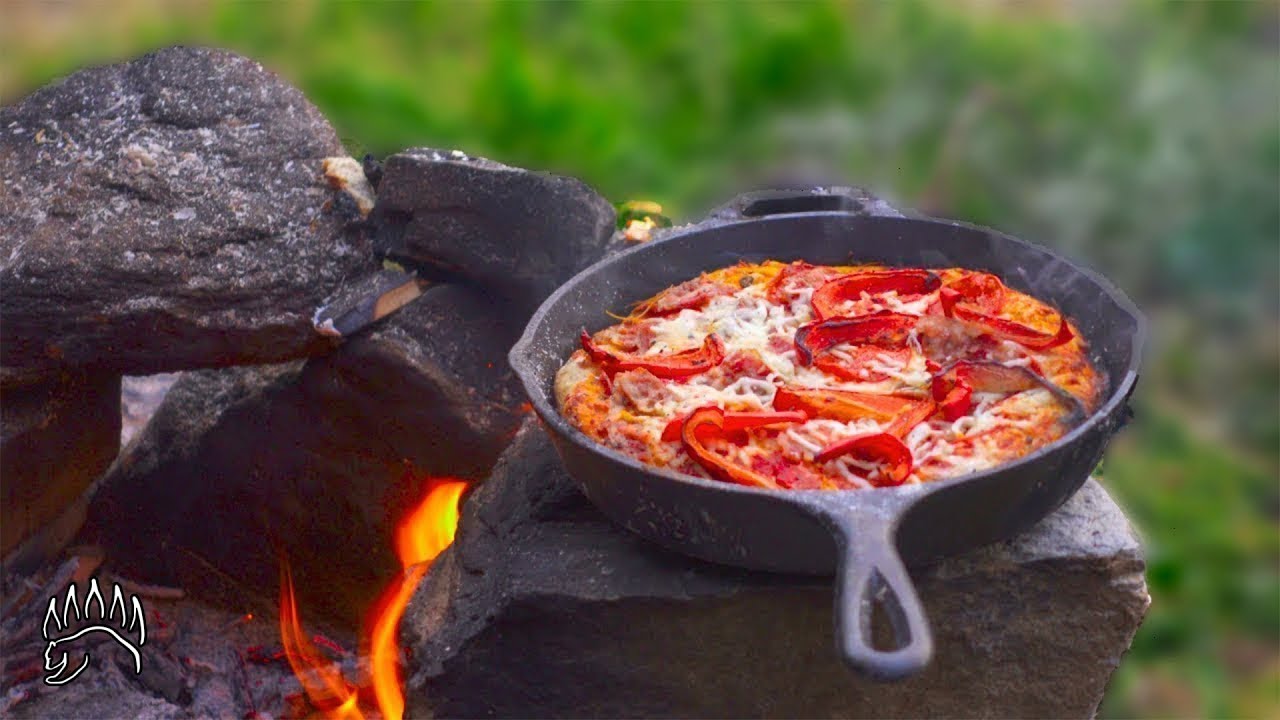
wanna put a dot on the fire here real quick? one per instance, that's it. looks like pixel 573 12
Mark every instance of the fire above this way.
pixel 419 537
pixel 323 682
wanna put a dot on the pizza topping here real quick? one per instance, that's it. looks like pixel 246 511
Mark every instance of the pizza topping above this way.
pixel 736 365
pixel 981 291
pixel 834 296
pixel 831 377
pixel 703 424
pixel 954 307
pixel 883 329
pixel 642 390
pixel 844 405
pixel 911 416
pixel 799 279
pixel 883 449
pixel 676 365
pixel 688 295
pixel 734 422
pixel 953 388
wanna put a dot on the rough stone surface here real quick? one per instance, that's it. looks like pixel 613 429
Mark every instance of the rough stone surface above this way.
pixel 515 231
pixel 166 213
pixel 316 459
pixel 139 399
pixel 56 437
pixel 542 608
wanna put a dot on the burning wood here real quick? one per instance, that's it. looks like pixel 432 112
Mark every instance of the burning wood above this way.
pixel 337 693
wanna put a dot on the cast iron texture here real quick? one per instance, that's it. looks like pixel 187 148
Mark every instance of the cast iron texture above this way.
pixel 865 535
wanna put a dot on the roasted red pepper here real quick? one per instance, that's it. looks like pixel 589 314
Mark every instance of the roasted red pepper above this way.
pixel 702 423
pixel 844 405
pixel 982 291
pixel 676 365
pixel 857 367
pixel 883 329
pixel 910 417
pixel 957 304
pixel 955 399
pixel 953 387
pixel 849 287
pixel 884 448
pixel 798 274
pixel 739 421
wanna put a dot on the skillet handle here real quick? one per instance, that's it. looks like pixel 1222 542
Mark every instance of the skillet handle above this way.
pixel 871 573
pixel 803 199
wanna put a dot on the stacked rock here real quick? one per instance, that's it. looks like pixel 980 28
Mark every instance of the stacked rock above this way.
pixel 178 213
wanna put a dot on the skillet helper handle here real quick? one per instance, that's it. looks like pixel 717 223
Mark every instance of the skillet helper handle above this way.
pixel 871 573
pixel 804 199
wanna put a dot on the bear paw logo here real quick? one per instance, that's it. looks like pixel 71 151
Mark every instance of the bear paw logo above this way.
pixel 125 624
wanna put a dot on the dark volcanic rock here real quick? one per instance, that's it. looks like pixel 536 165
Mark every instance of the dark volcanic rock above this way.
pixel 163 214
pixel 56 437
pixel 518 232
pixel 542 608
pixel 316 459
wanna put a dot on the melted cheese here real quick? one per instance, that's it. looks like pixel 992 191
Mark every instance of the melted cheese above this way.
pixel 998 428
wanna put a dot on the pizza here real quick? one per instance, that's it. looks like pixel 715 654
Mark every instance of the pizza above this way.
pixel 799 376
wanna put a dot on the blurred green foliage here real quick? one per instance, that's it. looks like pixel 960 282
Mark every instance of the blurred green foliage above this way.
pixel 1141 137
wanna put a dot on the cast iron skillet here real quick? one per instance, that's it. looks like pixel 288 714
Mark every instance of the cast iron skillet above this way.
pixel 866 535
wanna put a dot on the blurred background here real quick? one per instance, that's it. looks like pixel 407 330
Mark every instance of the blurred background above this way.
pixel 1142 138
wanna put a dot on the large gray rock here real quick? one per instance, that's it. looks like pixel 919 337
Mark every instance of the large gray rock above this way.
pixel 543 608
pixel 316 459
pixel 518 232
pixel 166 213
pixel 56 436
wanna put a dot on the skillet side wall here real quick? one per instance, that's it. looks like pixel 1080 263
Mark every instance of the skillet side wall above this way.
pixel 768 531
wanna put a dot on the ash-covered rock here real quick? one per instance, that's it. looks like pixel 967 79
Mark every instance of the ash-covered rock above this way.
pixel 543 608
pixel 515 231
pixel 56 436
pixel 317 460
pixel 166 213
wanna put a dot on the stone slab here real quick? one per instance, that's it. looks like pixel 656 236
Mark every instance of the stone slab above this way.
pixel 543 608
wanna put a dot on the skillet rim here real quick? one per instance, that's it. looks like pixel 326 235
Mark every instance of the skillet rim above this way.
pixel 519 357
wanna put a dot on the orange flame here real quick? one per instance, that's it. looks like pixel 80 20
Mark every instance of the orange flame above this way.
pixel 419 537
pixel 327 690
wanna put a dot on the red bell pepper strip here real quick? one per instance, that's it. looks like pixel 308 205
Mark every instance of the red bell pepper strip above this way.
pixel 908 419
pixel 1025 336
pixel 883 448
pixel 953 306
pixel 858 370
pixel 847 405
pixel 800 274
pixel 954 386
pixel 677 365
pixel 842 405
pixel 982 291
pixel 739 421
pixel 709 420
pixel 955 402
pixel 848 287
pixel 884 329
